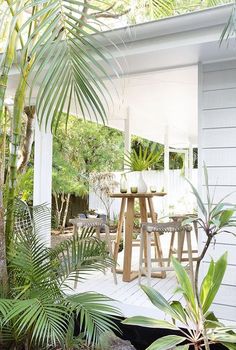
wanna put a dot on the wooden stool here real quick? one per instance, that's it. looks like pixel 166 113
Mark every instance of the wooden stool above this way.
pixel 97 223
pixel 181 239
pixel 147 229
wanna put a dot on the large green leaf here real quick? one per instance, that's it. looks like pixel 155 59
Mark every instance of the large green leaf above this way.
pixel 223 337
pixel 212 282
pixel 166 343
pixel 160 302
pixel 207 282
pixel 229 346
pixel 226 216
pixel 180 310
pixel 149 322
pixel 185 284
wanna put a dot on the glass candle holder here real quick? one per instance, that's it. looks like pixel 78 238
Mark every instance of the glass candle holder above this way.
pixel 134 189
pixel 153 189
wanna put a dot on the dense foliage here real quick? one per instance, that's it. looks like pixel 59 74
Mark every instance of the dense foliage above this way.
pixel 39 311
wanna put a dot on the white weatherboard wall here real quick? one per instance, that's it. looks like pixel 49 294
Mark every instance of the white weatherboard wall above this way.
pixel 217 147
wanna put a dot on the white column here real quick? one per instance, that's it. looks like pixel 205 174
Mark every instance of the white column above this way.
pixel 186 163
pixel 190 164
pixel 43 181
pixel 166 171
pixel 127 132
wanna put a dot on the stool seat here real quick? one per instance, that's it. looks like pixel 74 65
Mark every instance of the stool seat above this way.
pixel 164 227
pixel 96 223
pixel 147 229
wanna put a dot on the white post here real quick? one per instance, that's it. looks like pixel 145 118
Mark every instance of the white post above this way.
pixel 166 171
pixel 190 165
pixel 186 163
pixel 43 179
pixel 127 132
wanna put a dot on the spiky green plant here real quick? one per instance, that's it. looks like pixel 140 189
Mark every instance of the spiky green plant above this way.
pixel 143 159
pixel 186 317
pixel 40 311
pixel 213 220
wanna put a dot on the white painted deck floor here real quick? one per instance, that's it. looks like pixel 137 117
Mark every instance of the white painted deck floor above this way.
pixel 129 296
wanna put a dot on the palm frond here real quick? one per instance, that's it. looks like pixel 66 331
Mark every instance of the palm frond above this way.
pixel 69 59
pixel 161 8
pixel 47 321
pixel 143 159
pixel 230 27
pixel 92 310
pixel 79 256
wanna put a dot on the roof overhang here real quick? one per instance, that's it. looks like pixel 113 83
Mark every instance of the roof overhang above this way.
pixel 144 50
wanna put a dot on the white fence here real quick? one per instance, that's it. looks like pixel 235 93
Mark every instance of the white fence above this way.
pixel 179 197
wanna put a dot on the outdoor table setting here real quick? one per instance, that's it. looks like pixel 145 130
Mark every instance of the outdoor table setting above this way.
pixel 127 205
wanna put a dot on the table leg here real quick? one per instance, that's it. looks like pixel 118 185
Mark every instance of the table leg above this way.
pixel 144 218
pixel 156 237
pixel 129 226
pixel 119 228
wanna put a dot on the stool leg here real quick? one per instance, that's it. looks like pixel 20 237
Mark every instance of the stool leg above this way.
pixel 119 228
pixel 159 253
pixel 149 261
pixel 172 240
pixel 141 256
pixel 190 257
pixel 181 236
pixel 108 240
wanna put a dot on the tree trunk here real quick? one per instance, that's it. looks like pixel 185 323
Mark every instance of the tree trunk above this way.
pixel 3 266
pixel 15 143
pixel 5 68
pixel 28 139
pixel 61 209
pixel 65 212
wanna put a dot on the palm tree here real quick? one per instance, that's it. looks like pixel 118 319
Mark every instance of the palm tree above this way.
pixel 39 311
pixel 164 8
pixel 58 48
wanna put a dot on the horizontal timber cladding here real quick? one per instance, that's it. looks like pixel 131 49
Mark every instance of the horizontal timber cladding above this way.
pixel 217 149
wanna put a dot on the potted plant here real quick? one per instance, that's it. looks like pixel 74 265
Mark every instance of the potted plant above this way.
pixel 91 214
pixel 140 161
pixel 192 323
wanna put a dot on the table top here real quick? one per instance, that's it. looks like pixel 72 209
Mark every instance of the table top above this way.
pixel 138 195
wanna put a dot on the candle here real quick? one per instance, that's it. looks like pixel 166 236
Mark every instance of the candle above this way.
pixel 134 189
pixel 153 189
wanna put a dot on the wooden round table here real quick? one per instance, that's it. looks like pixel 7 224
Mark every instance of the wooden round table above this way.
pixel 127 200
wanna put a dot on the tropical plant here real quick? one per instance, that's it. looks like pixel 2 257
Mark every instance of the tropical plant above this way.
pixel 214 219
pixel 39 311
pixel 143 159
pixel 186 321
pixel 155 9
pixel 56 46
pixel 229 30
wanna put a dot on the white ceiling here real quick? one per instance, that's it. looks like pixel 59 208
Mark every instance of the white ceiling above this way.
pixel 160 102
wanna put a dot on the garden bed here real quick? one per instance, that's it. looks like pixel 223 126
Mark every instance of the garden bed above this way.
pixel 142 337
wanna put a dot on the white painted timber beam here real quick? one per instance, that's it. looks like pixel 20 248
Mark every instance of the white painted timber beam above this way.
pixel 127 132
pixel 43 179
pixel 190 159
pixel 166 171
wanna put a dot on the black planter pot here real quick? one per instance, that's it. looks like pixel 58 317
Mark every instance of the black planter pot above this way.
pixel 142 337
